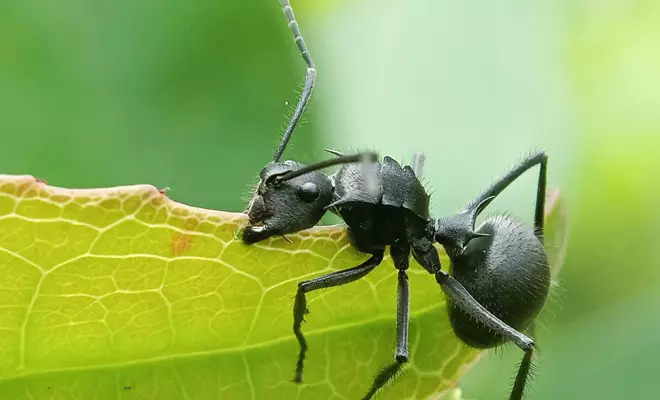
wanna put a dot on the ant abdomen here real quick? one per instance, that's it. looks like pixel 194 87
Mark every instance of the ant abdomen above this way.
pixel 507 272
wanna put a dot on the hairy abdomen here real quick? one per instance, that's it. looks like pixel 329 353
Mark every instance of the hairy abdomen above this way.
pixel 507 273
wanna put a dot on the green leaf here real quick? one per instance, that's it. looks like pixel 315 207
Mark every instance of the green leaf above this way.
pixel 124 293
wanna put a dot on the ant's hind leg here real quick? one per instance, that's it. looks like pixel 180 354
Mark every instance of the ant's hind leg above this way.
pixel 481 201
pixel 525 369
pixel 322 282
pixel 522 375
pixel 461 298
pixel 458 295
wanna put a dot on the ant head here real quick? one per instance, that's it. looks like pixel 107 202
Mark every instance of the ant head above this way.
pixel 455 232
pixel 286 202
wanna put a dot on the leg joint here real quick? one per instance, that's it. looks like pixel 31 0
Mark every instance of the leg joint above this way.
pixel 401 359
pixel 441 277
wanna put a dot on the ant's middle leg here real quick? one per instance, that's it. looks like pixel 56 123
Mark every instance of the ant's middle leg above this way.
pixel 400 257
pixel 322 282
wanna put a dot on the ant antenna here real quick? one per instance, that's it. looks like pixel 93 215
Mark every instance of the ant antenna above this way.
pixel 310 79
pixel 360 157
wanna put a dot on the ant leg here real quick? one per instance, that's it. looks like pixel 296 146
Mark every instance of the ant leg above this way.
pixel 460 297
pixel 402 321
pixel 521 377
pixel 326 281
pixel 481 201
pixel 310 79
pixel 425 254
pixel 401 258
pixel 524 370
pixel 427 257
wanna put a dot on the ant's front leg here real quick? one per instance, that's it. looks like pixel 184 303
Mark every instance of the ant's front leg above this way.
pixel 322 282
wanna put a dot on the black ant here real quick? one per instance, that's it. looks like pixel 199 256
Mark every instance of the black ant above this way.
pixel 500 273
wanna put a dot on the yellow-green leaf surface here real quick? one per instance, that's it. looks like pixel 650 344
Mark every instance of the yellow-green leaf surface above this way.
pixel 122 293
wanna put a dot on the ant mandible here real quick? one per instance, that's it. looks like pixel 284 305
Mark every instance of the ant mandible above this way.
pixel 500 272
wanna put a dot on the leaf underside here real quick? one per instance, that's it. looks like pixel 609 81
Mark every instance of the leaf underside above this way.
pixel 122 293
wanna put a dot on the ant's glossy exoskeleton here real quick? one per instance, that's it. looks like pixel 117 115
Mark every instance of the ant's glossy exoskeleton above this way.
pixel 500 273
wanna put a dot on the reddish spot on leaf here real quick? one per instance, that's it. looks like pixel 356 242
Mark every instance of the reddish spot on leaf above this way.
pixel 180 244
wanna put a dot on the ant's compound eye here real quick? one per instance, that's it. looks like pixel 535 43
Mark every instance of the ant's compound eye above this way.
pixel 308 192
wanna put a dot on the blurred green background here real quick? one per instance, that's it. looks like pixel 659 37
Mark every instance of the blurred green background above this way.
pixel 193 95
